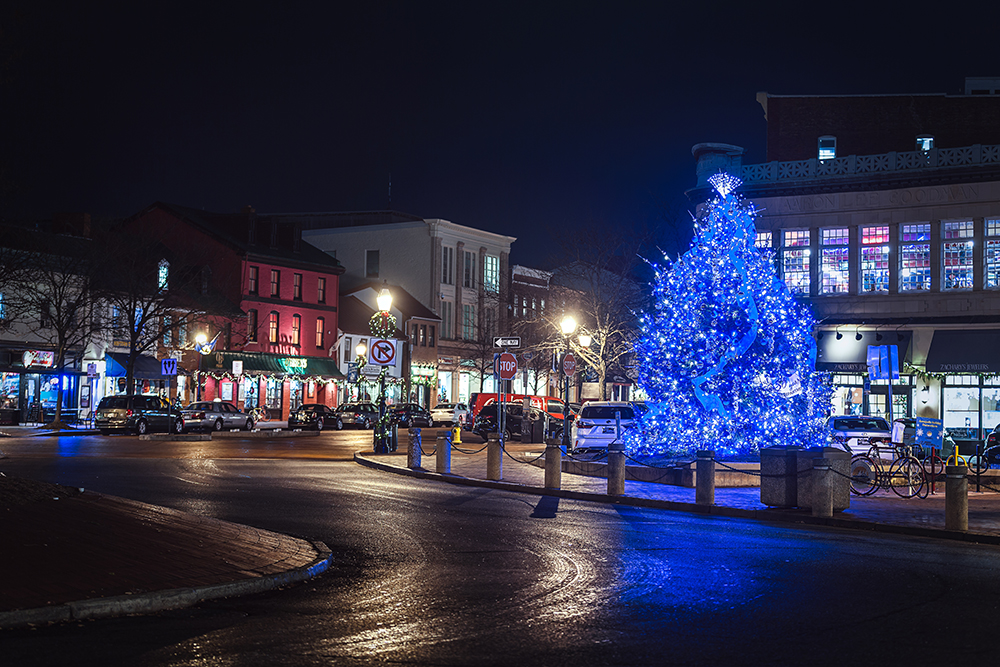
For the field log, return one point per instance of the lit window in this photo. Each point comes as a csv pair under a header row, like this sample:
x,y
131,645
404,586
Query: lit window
x,y
956,255
991,254
491,274
925,142
252,286
320,331
914,257
297,286
430,336
321,290
827,147
875,259
275,282
795,261
163,275
763,240
834,261
296,327
272,332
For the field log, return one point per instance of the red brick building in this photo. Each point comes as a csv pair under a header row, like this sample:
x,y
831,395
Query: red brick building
x,y
278,355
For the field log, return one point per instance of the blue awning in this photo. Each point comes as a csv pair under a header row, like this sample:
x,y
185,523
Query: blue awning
x,y
146,367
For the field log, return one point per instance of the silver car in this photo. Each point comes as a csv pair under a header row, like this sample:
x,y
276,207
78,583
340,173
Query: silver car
x,y
858,431
215,416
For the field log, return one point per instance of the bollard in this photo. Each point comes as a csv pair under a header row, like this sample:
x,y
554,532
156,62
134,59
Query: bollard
x,y
956,498
704,492
413,449
616,470
494,457
822,488
553,466
443,455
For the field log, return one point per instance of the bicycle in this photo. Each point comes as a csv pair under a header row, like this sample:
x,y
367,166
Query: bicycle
x,y
904,475
259,414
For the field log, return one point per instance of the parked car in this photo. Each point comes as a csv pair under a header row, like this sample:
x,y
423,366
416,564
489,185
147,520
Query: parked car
x,y
141,414
858,431
486,421
362,415
549,404
601,423
452,413
315,415
410,414
215,416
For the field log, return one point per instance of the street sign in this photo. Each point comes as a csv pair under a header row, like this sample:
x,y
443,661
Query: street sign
x,y
91,370
528,356
569,364
168,367
507,341
507,366
383,352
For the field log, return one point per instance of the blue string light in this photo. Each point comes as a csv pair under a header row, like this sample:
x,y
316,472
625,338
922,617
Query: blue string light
x,y
727,357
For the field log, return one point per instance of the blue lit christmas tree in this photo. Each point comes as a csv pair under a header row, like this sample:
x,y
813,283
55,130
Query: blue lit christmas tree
x,y
727,357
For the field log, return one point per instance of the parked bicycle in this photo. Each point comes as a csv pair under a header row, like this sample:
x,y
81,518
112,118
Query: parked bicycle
x,y
259,414
903,474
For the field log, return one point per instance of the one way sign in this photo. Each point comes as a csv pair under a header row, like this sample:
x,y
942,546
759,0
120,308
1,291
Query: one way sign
x,y
507,341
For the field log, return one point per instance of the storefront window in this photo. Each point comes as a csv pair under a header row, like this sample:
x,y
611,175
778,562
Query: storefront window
x,y
275,388
961,407
295,394
9,383
463,388
444,386
250,399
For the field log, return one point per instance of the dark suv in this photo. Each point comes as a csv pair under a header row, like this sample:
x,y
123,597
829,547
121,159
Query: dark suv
x,y
486,420
141,413
410,414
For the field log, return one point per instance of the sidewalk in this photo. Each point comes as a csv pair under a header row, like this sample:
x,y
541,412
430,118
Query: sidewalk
x,y
883,512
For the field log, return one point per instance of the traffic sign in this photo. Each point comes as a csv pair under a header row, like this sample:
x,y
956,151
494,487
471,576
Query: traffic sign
x,y
528,356
507,341
168,367
569,364
383,352
506,366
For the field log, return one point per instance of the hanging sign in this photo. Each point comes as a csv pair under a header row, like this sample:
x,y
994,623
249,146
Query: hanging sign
x,y
43,358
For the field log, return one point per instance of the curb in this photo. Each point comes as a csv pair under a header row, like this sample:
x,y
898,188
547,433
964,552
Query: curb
x,y
174,598
774,515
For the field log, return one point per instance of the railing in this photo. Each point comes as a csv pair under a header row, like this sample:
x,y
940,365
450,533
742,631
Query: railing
x,y
885,163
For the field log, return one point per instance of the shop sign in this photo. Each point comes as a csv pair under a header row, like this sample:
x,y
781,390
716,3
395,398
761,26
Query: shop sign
x,y
41,358
293,362
237,367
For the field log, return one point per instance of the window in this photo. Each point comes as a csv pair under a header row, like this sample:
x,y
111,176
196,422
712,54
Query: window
x,y
447,320
834,262
163,275
371,263
423,335
296,327
763,240
875,259
297,286
469,276
272,334
915,257
3,308
430,336
491,274
991,255
275,283
320,331
348,350
414,339
252,326
827,147
252,286
167,337
795,261
468,322
956,254
182,334
925,142
447,265
321,290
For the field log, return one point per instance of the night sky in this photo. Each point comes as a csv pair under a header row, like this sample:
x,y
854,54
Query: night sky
x,y
520,118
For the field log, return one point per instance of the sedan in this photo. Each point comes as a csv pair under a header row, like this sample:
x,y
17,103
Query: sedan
x,y
410,414
362,415
215,416
315,415
848,431
452,413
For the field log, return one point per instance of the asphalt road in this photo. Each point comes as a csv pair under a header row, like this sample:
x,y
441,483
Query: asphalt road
x,y
427,573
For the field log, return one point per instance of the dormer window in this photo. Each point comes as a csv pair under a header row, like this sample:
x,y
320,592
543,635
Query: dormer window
x,y
925,142
827,147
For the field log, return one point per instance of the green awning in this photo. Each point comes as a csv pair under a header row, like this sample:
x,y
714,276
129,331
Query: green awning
x,y
265,362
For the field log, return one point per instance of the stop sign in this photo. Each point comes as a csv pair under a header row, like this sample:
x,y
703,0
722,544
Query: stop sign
x,y
569,364
507,366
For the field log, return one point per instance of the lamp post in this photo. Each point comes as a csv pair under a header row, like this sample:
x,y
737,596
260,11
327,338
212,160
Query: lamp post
x,y
383,325
361,352
568,326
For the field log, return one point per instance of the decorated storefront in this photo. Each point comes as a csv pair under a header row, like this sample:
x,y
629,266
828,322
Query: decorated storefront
x,y
277,383
30,385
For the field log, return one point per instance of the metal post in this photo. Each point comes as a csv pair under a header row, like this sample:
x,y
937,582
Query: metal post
x,y
553,466
956,498
704,491
565,433
616,469
381,444
822,488
413,449
494,457
443,455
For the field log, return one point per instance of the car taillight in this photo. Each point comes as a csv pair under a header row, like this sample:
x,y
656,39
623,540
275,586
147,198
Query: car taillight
x,y
585,424
128,413
198,415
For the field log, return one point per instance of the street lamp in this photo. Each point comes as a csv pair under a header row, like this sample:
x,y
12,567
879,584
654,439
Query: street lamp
x,y
568,326
383,325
